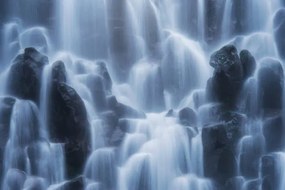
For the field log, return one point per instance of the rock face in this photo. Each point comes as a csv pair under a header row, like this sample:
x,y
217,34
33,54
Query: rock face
x,y
223,125
270,83
229,74
68,122
24,79
279,30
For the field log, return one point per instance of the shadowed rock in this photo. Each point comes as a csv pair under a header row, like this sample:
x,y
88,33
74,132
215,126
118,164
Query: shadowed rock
x,y
24,80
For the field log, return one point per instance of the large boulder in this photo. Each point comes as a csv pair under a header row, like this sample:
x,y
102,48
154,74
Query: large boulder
x,y
270,85
279,30
68,124
226,60
24,79
58,72
225,85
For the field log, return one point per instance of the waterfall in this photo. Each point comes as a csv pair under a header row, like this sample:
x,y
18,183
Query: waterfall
x,y
142,95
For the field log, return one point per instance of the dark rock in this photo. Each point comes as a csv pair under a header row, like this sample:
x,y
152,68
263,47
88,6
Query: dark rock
x,y
279,30
220,142
187,117
125,111
217,113
122,110
96,86
68,124
58,72
226,60
35,183
221,89
269,174
270,83
103,72
273,131
124,125
226,84
73,184
248,63
112,102
6,108
170,113
24,80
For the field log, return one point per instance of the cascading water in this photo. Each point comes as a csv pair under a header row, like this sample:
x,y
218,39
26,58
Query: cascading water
x,y
126,100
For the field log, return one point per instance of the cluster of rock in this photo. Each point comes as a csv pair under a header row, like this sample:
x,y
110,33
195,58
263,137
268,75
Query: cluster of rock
x,y
67,119
228,153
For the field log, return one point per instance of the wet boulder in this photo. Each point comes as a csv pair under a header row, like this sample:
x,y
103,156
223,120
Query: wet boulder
x,y
226,60
170,113
187,117
270,83
248,63
220,142
269,172
279,30
69,125
226,84
24,78
96,85
58,72
273,131
124,111
103,72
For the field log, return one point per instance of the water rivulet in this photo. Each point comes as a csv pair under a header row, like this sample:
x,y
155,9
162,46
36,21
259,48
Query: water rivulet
x,y
142,95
